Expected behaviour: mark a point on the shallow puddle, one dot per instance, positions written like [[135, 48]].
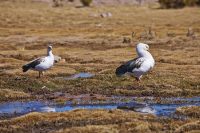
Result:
[[76, 76], [10, 109]]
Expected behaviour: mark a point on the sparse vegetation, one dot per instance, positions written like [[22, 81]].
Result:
[[178, 3], [190, 2], [10, 95], [57, 3], [86, 2], [189, 111], [93, 121], [91, 44], [87, 50]]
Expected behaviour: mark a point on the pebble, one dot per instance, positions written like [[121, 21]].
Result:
[[57, 59], [106, 14]]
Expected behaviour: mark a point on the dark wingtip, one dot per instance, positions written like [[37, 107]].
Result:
[[121, 70], [25, 68]]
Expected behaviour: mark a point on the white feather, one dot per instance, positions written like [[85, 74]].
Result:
[[148, 60]]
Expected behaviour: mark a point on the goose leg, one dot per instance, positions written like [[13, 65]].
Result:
[[39, 74], [138, 81]]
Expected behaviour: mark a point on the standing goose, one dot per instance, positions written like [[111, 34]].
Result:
[[41, 64], [138, 66]]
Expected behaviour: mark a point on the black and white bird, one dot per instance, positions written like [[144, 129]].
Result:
[[41, 64], [138, 66]]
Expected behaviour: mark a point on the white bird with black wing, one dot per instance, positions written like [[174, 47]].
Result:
[[41, 64], [140, 65]]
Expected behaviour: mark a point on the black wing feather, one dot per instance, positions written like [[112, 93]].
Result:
[[128, 66], [31, 64]]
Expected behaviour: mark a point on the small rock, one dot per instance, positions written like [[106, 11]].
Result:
[[106, 14], [44, 87], [171, 34], [190, 32], [99, 25], [93, 15], [109, 14], [17, 78], [63, 60], [57, 59], [103, 15], [126, 40], [58, 94]]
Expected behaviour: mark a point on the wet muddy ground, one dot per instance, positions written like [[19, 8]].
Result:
[[165, 107]]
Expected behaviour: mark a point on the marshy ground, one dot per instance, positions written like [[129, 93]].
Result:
[[86, 42]]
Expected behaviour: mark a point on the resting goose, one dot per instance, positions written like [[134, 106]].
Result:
[[138, 66], [41, 64]]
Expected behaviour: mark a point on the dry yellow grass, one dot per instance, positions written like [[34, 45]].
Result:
[[94, 44], [189, 111], [88, 121], [192, 127], [8, 95]]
